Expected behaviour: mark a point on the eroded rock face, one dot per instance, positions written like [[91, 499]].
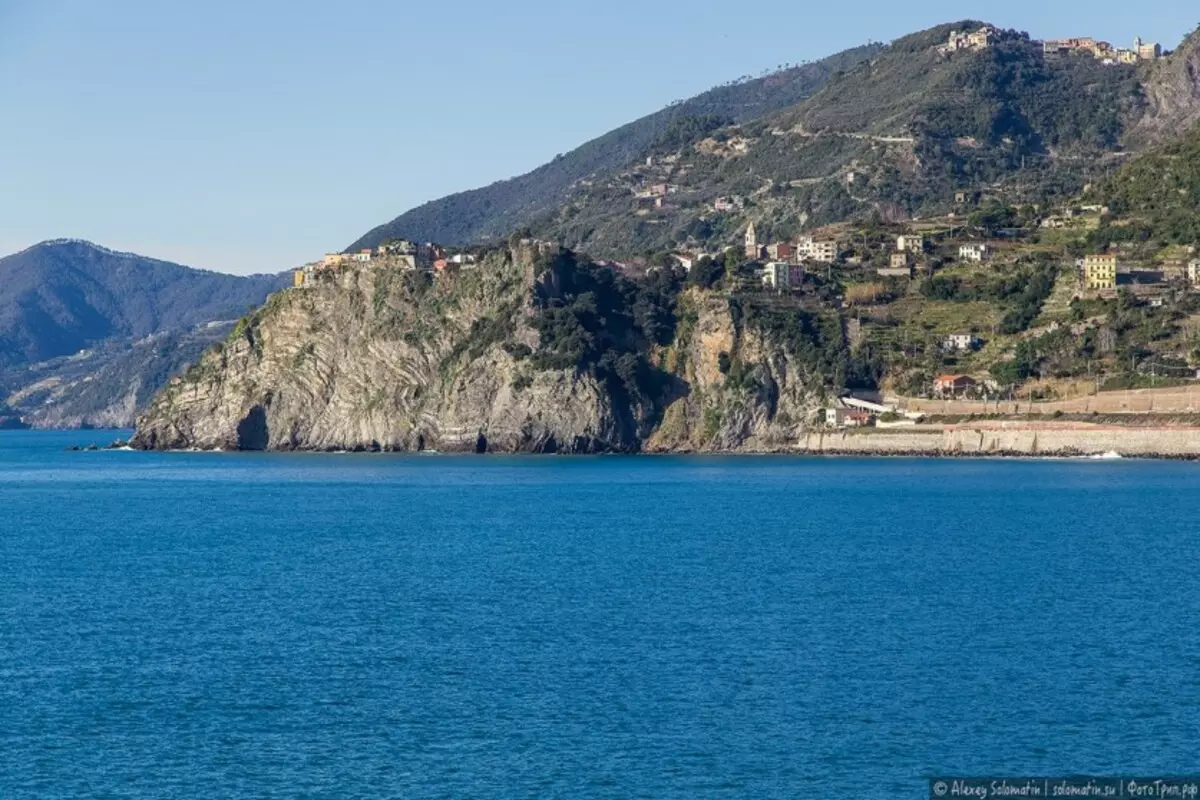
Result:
[[745, 390], [1172, 95], [373, 358]]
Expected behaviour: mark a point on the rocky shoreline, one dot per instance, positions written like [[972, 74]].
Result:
[[993, 440]]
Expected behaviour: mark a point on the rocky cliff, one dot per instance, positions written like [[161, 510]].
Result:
[[521, 354], [1171, 89], [747, 389]]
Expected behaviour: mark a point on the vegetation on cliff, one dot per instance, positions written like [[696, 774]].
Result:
[[1155, 198]]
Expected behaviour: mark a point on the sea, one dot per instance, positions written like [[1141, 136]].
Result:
[[211, 625]]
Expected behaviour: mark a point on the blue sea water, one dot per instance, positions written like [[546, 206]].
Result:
[[362, 626]]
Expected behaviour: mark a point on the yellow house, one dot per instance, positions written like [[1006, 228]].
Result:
[[298, 278], [1100, 271]]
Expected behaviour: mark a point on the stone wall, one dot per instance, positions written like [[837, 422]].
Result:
[[1011, 439], [1174, 400]]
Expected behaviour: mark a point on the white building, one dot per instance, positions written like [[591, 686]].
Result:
[[960, 342], [685, 260], [973, 252], [825, 252], [1193, 272], [910, 244], [841, 417], [777, 275]]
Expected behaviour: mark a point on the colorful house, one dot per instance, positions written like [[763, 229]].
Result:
[[948, 386], [1100, 271]]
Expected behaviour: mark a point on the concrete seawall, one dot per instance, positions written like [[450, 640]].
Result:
[[1013, 439], [1174, 400]]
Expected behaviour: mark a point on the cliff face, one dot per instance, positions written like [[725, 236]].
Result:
[[377, 358], [746, 389], [1172, 95]]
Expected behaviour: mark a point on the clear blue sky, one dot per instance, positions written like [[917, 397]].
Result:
[[251, 135]]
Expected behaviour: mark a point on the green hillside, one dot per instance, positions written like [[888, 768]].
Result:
[[1155, 199], [891, 132], [494, 211], [899, 136], [59, 297]]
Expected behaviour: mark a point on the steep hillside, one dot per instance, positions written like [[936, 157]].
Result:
[[59, 297], [892, 132], [1172, 95], [526, 353], [1155, 198], [913, 132], [496, 210]]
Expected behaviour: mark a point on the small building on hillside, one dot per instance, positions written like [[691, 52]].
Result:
[[910, 243], [825, 252], [960, 41], [362, 256], [777, 275], [781, 251], [960, 342], [1193, 272], [974, 253], [685, 260], [429, 252], [1147, 51], [1100, 271], [901, 260], [951, 386]]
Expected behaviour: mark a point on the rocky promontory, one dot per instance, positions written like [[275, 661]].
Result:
[[525, 351]]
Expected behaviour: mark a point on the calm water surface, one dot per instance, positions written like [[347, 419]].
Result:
[[208, 625]]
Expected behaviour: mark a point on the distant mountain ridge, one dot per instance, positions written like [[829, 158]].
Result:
[[494, 211], [89, 334], [60, 296]]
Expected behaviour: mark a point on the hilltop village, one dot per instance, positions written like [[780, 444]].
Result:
[[398, 253], [849, 152], [1105, 52]]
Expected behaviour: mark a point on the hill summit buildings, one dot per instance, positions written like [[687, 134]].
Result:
[[985, 37]]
